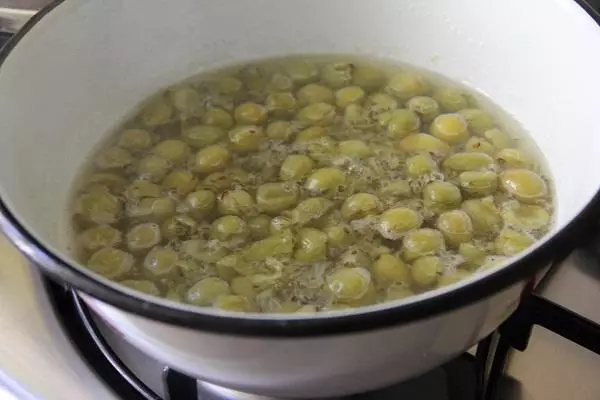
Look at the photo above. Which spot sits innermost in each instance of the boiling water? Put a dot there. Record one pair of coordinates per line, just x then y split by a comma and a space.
307, 184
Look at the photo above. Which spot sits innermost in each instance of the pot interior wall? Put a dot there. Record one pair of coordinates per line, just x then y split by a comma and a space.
80, 70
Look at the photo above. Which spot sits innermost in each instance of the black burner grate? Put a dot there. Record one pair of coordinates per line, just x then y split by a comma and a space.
460, 379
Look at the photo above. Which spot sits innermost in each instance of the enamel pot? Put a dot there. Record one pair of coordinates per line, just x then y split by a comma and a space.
79, 66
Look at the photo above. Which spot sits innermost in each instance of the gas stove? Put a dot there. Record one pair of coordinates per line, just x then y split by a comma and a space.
53, 347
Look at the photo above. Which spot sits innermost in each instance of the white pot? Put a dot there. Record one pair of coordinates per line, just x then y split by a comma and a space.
79, 67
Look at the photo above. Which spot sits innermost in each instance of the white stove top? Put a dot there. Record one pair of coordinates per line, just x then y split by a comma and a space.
36, 359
